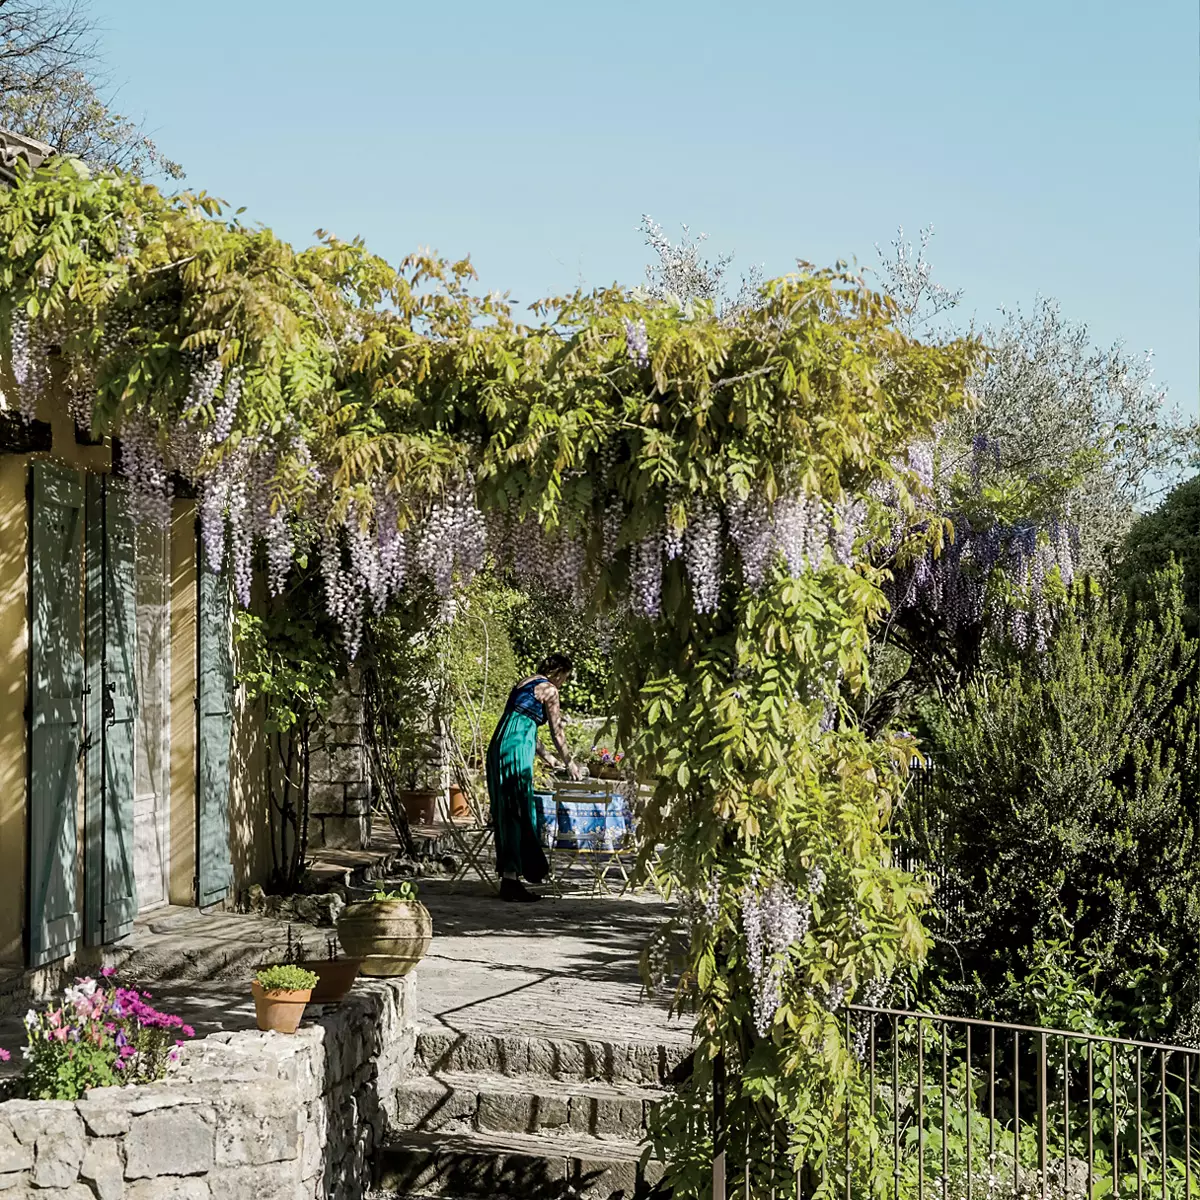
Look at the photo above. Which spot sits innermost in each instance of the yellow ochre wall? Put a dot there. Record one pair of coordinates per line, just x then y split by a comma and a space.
182, 826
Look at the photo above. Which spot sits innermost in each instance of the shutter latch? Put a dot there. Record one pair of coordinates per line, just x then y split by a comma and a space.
110, 704
84, 746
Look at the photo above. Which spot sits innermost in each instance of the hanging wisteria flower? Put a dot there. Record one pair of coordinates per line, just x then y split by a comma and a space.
645, 577
345, 589
227, 409
920, 462
672, 539
773, 920
848, 516
703, 557
28, 368
392, 550
793, 513
453, 537
614, 518
637, 342
142, 463
752, 530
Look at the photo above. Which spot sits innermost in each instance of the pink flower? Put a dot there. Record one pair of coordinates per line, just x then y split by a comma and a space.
188, 1031
108, 972
4, 1055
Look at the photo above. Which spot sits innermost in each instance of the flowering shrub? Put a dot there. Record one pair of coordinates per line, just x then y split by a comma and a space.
100, 1035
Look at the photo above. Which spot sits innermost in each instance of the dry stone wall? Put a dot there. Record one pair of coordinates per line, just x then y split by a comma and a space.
244, 1116
340, 787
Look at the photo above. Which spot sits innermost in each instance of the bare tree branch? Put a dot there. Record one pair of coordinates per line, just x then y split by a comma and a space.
53, 88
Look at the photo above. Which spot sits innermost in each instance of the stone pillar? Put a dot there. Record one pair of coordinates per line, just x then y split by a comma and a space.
339, 812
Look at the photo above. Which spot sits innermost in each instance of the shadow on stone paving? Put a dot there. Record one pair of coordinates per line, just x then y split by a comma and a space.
511, 1177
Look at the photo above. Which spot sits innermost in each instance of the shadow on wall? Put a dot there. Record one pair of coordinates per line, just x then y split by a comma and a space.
14, 641
249, 798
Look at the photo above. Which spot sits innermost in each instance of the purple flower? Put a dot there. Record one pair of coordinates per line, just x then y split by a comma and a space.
637, 342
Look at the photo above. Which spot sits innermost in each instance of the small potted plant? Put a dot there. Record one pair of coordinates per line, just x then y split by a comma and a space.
388, 933
335, 976
280, 995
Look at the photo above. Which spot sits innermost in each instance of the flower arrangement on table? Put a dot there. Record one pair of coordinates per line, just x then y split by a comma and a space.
604, 763
100, 1035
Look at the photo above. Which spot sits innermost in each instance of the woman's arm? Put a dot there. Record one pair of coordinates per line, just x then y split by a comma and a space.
547, 693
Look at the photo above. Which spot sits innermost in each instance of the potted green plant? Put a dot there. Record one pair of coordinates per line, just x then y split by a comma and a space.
389, 933
280, 995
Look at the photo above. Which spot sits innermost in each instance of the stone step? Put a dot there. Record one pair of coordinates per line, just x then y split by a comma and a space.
576, 1060
513, 1167
457, 1102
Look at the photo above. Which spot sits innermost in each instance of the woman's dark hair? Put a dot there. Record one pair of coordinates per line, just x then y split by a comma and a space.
554, 664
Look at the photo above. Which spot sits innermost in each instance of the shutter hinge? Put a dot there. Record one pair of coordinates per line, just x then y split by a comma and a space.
196, 890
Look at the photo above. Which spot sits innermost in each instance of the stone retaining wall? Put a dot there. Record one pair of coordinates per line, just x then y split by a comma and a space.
243, 1116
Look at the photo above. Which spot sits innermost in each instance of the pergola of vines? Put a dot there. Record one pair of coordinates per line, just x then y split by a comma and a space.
739, 486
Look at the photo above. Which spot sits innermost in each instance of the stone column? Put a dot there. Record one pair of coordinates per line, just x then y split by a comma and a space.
339, 813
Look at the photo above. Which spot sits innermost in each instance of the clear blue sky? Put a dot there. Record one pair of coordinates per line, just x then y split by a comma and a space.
1052, 144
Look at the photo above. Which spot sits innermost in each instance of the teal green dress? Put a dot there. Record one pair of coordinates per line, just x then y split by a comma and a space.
510, 785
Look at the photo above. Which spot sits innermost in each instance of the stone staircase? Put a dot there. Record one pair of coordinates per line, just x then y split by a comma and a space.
518, 1118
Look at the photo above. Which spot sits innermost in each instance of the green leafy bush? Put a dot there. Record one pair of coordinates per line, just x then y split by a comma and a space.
1171, 530
286, 978
1063, 834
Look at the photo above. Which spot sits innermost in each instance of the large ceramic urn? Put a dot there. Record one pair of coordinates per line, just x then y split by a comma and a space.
389, 937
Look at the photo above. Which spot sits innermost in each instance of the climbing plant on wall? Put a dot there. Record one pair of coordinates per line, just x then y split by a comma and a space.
738, 486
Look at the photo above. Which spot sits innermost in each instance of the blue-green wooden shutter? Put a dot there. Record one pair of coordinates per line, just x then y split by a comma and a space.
214, 875
55, 709
111, 651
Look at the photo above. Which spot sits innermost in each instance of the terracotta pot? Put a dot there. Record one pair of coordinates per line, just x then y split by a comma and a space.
419, 807
278, 1011
460, 810
608, 772
335, 977
389, 937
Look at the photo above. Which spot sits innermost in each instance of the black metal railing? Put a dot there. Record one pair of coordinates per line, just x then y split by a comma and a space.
966, 1109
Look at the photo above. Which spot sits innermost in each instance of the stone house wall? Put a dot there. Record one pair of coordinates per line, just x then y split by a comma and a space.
243, 1116
339, 805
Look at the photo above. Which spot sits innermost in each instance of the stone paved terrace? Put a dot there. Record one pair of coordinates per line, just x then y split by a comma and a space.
561, 968
564, 967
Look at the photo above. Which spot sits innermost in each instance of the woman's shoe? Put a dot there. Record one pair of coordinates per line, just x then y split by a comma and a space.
513, 890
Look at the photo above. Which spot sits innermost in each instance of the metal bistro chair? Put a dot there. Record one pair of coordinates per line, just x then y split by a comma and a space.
602, 837
474, 840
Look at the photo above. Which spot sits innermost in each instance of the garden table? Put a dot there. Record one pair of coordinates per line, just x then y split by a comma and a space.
588, 820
